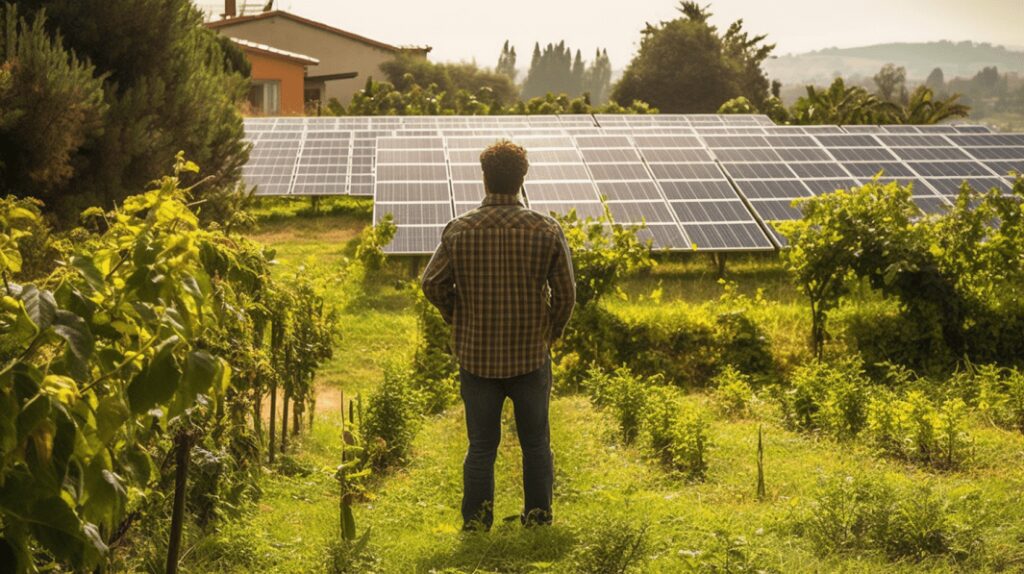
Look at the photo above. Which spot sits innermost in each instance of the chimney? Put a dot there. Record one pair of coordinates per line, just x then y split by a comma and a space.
230, 9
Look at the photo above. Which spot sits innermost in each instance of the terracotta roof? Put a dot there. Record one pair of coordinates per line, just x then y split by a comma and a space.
226, 22
276, 52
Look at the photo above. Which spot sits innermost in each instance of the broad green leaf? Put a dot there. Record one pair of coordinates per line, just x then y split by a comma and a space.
80, 343
88, 270
156, 384
40, 306
202, 370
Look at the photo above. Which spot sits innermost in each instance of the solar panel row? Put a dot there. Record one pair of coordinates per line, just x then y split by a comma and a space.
704, 182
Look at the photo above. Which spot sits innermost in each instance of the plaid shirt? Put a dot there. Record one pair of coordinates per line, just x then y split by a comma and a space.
502, 277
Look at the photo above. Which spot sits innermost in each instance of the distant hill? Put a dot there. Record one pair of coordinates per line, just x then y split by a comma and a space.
961, 59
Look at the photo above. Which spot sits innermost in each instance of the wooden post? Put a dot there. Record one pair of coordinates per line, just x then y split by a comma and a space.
273, 419
284, 420
182, 446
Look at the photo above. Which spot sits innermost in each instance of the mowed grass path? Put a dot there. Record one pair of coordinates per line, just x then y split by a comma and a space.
602, 487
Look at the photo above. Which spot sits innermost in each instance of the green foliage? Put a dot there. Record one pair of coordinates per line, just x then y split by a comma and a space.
150, 327
507, 62
840, 104
51, 105
829, 397
612, 547
175, 90
625, 394
911, 427
434, 370
727, 554
451, 82
392, 420
950, 273
373, 240
686, 65
1001, 396
383, 98
905, 522
676, 434
732, 392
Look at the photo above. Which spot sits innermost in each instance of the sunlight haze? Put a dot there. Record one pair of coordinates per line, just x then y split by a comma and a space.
474, 30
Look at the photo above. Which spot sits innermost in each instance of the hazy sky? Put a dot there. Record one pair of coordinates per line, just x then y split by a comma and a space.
475, 29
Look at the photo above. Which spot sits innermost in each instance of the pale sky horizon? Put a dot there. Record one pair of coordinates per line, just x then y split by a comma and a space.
471, 30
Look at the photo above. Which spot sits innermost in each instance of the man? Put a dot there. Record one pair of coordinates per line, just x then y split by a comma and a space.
502, 277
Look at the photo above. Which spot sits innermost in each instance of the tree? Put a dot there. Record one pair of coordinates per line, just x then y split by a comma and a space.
556, 70
841, 105
167, 87
891, 83
51, 105
936, 81
686, 66
507, 62
598, 77
448, 81
923, 108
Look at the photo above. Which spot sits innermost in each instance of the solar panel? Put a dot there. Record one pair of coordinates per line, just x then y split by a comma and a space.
705, 179
722, 222
412, 184
632, 196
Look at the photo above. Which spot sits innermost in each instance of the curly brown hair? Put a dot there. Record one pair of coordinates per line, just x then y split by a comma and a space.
505, 165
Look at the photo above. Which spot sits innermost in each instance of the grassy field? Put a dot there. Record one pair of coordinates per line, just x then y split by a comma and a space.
608, 496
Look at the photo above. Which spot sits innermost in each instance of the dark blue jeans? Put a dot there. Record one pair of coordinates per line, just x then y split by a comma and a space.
484, 398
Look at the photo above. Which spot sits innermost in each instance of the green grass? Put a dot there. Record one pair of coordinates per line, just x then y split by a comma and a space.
603, 488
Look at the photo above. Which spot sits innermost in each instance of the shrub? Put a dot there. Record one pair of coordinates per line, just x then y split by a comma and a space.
912, 428
869, 513
373, 240
727, 553
676, 434
434, 371
1001, 397
392, 420
733, 393
625, 394
828, 397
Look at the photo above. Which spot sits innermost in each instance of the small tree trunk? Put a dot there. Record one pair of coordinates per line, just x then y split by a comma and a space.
298, 408
182, 445
273, 419
284, 421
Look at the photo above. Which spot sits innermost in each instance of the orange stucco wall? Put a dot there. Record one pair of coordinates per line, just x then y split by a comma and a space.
292, 76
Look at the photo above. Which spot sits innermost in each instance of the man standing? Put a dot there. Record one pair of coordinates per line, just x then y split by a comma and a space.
502, 277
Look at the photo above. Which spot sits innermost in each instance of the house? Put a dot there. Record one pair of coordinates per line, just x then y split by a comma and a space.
339, 53
278, 79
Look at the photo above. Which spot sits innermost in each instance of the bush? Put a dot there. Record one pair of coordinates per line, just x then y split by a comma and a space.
869, 513
1001, 396
625, 394
392, 420
676, 435
912, 428
733, 393
434, 369
827, 397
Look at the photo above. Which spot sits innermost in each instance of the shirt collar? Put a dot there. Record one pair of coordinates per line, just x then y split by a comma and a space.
501, 199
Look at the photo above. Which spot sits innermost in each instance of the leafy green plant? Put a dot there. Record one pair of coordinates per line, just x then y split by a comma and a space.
828, 397
676, 435
625, 394
392, 420
434, 369
612, 547
849, 513
732, 392
1001, 396
911, 427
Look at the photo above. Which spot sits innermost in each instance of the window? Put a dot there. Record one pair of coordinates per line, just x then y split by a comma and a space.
265, 96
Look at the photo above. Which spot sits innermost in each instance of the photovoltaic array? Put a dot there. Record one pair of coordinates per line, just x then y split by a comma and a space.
696, 182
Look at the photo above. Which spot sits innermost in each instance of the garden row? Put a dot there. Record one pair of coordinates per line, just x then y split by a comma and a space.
137, 351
